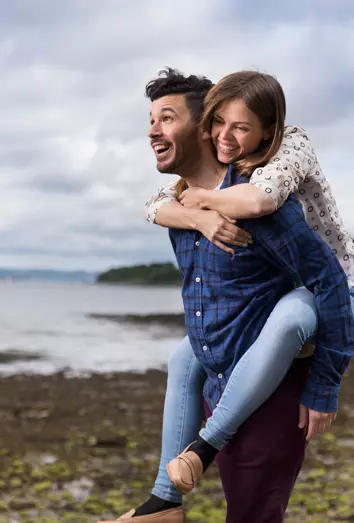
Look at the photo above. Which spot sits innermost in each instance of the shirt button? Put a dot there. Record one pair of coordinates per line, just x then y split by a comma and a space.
197, 313
220, 376
197, 244
205, 347
197, 279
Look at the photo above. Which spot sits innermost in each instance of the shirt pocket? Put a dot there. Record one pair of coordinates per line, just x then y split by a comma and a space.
229, 266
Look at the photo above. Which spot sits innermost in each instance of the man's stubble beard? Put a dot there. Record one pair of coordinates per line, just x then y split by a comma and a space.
185, 155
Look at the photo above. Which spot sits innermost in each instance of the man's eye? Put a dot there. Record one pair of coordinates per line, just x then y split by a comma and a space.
167, 118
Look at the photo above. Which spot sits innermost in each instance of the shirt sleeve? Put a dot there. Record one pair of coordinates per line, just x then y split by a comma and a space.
165, 194
290, 243
288, 168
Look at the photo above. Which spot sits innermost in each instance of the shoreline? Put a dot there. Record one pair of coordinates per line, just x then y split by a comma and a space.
75, 449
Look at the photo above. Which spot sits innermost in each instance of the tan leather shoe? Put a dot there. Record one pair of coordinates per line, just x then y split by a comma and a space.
185, 470
173, 515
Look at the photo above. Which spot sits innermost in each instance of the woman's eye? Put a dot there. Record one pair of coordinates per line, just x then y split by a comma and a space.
167, 118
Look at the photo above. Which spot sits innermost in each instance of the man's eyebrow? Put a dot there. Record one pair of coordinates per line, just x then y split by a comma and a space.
170, 109
165, 110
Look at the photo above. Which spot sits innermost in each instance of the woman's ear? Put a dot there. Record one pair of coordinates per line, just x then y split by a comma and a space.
268, 133
206, 135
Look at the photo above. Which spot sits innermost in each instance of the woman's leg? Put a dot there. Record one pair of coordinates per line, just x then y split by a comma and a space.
352, 298
263, 367
183, 414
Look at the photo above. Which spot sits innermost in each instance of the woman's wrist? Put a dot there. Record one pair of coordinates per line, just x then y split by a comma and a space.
205, 198
197, 218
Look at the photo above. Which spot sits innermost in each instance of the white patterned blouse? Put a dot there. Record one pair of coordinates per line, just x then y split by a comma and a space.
294, 169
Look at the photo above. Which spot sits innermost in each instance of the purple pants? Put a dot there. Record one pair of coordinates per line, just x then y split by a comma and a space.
259, 467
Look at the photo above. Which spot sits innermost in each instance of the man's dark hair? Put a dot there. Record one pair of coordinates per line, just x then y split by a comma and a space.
170, 81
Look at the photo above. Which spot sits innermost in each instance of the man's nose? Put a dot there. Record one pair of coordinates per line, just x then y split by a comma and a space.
155, 131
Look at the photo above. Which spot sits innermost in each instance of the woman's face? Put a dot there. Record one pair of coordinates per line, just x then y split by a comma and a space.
236, 131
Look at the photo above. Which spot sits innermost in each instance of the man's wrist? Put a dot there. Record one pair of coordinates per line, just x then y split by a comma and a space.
320, 402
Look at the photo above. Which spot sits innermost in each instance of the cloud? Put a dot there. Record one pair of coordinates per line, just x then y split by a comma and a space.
75, 163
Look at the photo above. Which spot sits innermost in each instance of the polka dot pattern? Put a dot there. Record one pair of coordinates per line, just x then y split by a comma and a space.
295, 169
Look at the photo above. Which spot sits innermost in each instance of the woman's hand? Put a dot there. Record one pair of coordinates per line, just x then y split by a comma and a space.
193, 198
220, 229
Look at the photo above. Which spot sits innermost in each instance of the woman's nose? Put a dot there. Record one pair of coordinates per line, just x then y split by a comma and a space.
225, 132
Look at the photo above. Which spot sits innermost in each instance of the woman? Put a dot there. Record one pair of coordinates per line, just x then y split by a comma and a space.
253, 145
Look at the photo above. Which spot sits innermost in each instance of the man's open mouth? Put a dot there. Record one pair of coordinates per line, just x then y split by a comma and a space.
161, 150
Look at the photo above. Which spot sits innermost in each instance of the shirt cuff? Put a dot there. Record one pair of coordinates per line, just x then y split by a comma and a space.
152, 206
272, 191
321, 401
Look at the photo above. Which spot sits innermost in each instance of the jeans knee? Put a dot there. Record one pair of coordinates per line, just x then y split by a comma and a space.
299, 315
181, 358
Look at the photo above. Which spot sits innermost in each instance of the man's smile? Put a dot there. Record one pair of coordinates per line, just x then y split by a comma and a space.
161, 150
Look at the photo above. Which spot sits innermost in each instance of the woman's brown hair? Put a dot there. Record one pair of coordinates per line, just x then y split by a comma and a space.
264, 96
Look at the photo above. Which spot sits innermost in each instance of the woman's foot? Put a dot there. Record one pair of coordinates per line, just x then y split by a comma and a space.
185, 470
155, 504
174, 515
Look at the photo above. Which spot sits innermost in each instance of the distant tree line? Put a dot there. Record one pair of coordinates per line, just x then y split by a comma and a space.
153, 274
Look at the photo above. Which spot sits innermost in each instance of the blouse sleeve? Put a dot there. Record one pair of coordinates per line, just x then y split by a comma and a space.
289, 167
165, 194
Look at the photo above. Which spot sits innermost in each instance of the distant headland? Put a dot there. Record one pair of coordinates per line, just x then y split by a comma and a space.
153, 274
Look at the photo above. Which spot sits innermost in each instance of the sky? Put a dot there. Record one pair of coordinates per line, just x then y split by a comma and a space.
75, 162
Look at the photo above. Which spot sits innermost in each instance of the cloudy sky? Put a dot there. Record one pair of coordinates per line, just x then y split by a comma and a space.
75, 162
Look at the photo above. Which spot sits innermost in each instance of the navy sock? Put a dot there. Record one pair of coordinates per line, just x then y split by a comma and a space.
205, 451
155, 504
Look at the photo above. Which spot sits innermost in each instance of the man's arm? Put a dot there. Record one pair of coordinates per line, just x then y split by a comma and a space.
291, 244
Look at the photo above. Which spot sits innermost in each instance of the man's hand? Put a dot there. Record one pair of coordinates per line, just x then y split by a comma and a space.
220, 229
192, 197
315, 422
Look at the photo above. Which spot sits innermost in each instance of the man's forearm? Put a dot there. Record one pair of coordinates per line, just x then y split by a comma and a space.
240, 201
175, 216
289, 240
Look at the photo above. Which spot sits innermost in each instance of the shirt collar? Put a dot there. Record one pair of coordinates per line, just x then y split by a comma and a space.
228, 176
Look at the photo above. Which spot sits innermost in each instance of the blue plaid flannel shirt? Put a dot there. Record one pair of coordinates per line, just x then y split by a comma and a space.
228, 298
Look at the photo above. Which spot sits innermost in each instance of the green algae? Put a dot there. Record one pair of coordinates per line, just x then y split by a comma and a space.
115, 446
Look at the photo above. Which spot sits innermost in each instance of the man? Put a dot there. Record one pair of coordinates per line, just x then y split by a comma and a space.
259, 468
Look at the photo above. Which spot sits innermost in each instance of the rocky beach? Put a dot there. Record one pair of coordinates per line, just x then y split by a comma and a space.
80, 413
78, 449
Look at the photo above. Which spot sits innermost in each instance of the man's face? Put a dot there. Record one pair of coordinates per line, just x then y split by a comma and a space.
173, 133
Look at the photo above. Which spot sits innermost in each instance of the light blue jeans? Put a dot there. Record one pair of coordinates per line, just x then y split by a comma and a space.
256, 376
